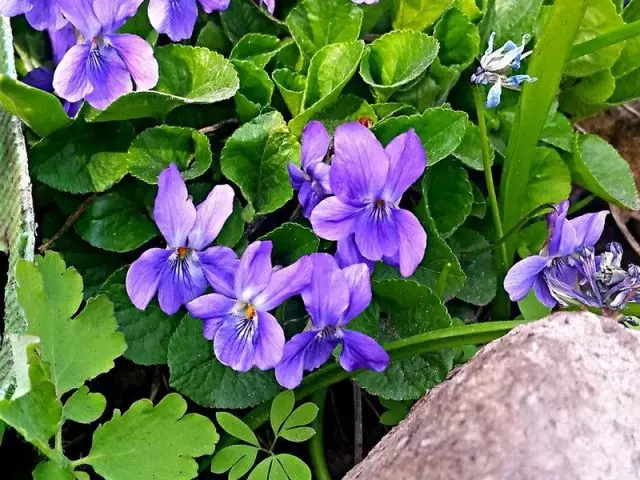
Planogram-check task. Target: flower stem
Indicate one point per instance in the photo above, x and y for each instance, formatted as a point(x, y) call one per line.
point(442, 280)
point(576, 207)
point(626, 32)
point(316, 444)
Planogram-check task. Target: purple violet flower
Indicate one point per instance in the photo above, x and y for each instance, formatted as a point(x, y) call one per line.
point(179, 273)
point(177, 18)
point(333, 299)
point(105, 65)
point(312, 180)
point(565, 238)
point(237, 318)
point(270, 5)
point(41, 14)
point(368, 182)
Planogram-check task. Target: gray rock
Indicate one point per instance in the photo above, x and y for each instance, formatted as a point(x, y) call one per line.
point(554, 399)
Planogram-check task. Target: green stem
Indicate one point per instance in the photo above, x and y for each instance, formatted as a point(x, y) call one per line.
point(626, 32)
point(576, 207)
point(441, 287)
point(58, 440)
point(488, 176)
point(316, 444)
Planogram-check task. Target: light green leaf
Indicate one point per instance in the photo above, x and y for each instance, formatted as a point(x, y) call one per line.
point(330, 70)
point(237, 459)
point(298, 434)
point(317, 23)
point(598, 167)
point(39, 110)
point(256, 89)
point(627, 88)
point(293, 427)
point(196, 373)
point(510, 19)
point(549, 179)
point(589, 95)
point(154, 149)
point(291, 241)
point(115, 223)
point(348, 108)
point(458, 38)
point(291, 86)
point(601, 17)
point(76, 349)
point(152, 443)
point(630, 57)
point(36, 415)
point(281, 407)
point(147, 331)
point(411, 308)
point(233, 228)
point(532, 309)
point(441, 131)
point(255, 159)
point(257, 48)
point(481, 285)
point(281, 467)
point(558, 132)
point(393, 109)
point(83, 158)
point(84, 406)
point(212, 36)
point(243, 17)
point(236, 427)
point(469, 151)
point(449, 196)
point(48, 470)
point(396, 59)
point(188, 75)
point(418, 14)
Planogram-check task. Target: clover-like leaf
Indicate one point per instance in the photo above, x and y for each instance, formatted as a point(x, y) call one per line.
point(83, 158)
point(152, 443)
point(236, 459)
point(154, 149)
point(293, 426)
point(84, 406)
point(255, 159)
point(236, 427)
point(280, 467)
point(76, 349)
point(188, 75)
point(281, 408)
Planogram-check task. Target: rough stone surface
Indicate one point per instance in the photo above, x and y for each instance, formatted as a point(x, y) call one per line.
point(554, 399)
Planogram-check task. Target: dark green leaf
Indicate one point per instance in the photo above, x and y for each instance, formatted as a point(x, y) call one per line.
point(479, 207)
point(147, 331)
point(558, 132)
point(469, 151)
point(549, 179)
point(154, 149)
point(233, 228)
point(196, 373)
point(212, 36)
point(291, 241)
point(349, 108)
point(256, 89)
point(481, 285)
point(83, 158)
point(510, 19)
point(243, 17)
point(458, 38)
point(532, 309)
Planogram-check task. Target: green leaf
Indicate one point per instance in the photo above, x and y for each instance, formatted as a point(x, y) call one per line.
point(152, 443)
point(212, 36)
point(282, 466)
point(291, 86)
point(317, 23)
point(449, 196)
point(441, 131)
point(140, 25)
point(481, 285)
point(601, 17)
point(469, 151)
point(255, 159)
point(298, 434)
point(196, 373)
point(598, 167)
point(630, 57)
point(349, 108)
point(48, 470)
point(558, 132)
point(257, 48)
point(76, 349)
point(418, 14)
point(411, 308)
point(243, 17)
point(233, 228)
point(549, 180)
point(147, 332)
point(281, 407)
point(291, 241)
point(396, 59)
point(236, 427)
point(627, 88)
point(83, 158)
point(532, 309)
point(589, 95)
point(188, 75)
point(154, 149)
point(115, 223)
point(393, 109)
point(256, 89)
point(293, 428)
point(237, 459)
point(29, 104)
point(479, 207)
point(391, 418)
point(84, 406)
point(510, 19)
point(37, 414)
point(330, 70)
point(458, 38)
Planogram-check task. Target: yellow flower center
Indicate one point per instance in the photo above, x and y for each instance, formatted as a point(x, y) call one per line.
point(182, 252)
point(249, 312)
